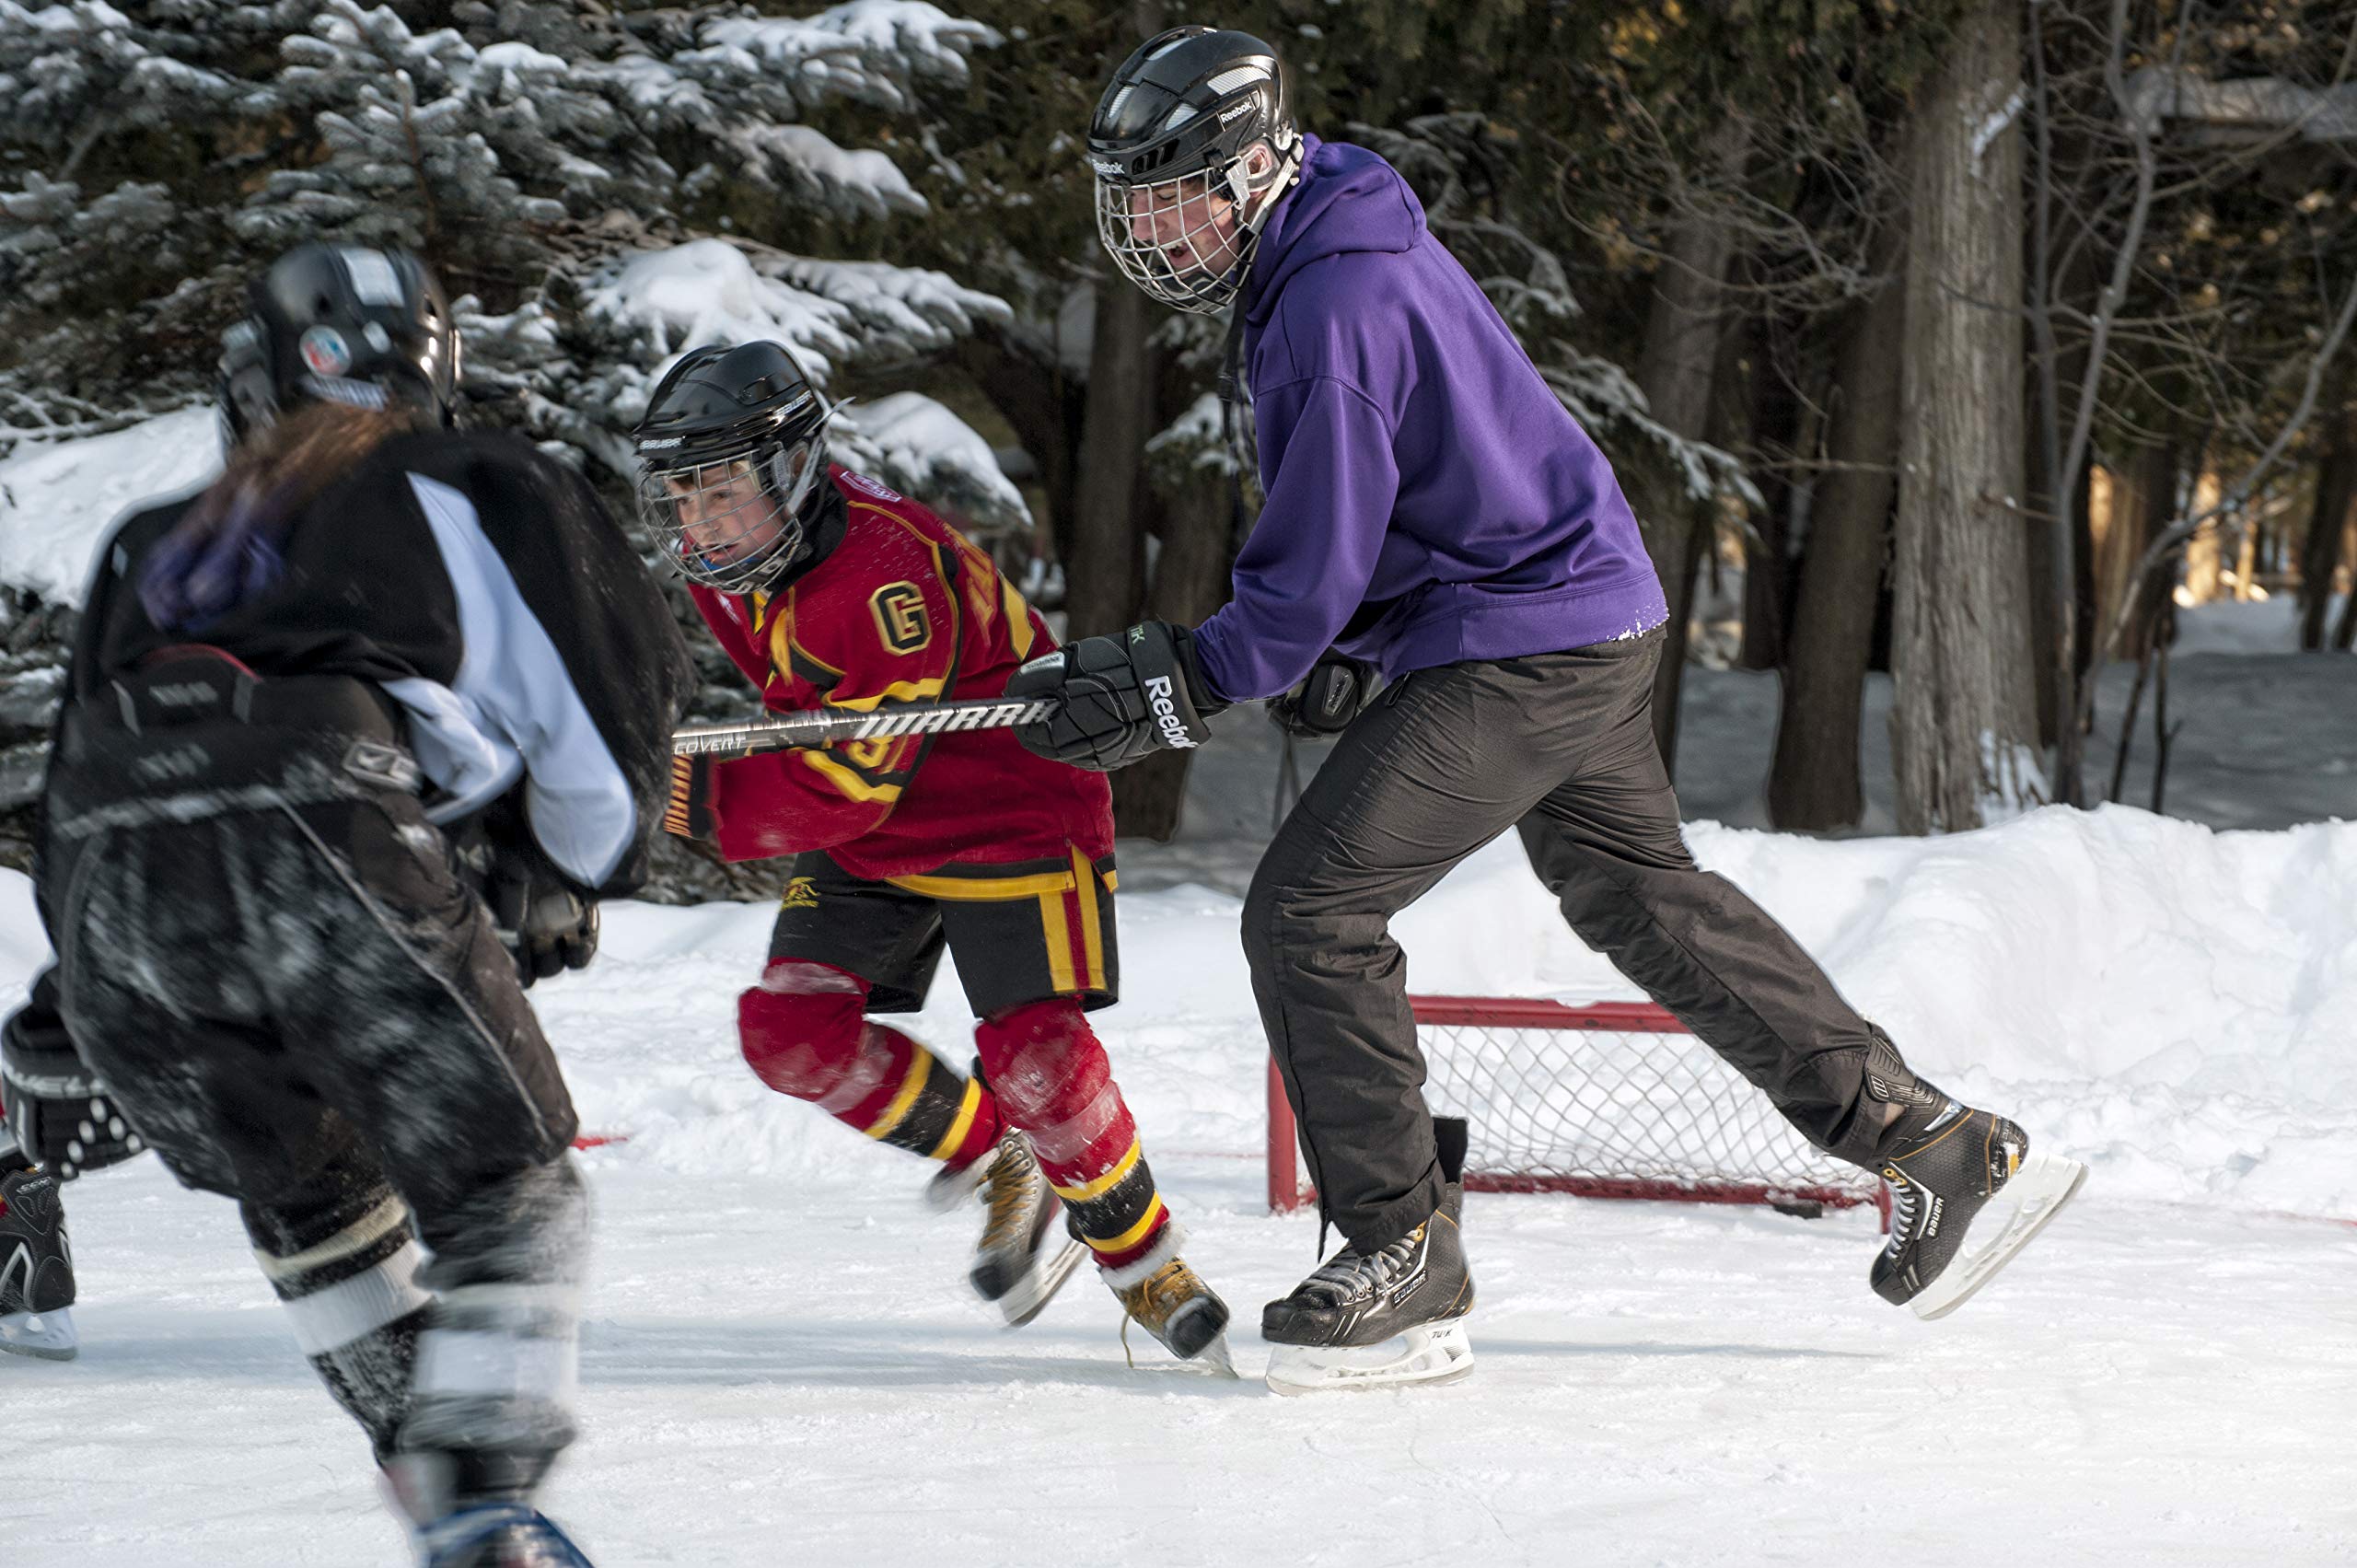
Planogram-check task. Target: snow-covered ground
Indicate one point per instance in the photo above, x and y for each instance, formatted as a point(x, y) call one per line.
point(780, 1365)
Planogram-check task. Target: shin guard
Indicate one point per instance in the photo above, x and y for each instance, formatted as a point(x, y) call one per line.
point(1053, 1080)
point(803, 1033)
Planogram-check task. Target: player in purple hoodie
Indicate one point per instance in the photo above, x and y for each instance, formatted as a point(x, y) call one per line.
point(1434, 514)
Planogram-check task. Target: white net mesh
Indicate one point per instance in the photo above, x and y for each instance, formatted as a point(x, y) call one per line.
point(1607, 1109)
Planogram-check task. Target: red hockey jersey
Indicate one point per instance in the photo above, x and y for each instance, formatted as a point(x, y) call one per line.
point(904, 609)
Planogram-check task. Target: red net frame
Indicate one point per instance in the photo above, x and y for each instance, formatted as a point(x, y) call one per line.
point(1606, 1100)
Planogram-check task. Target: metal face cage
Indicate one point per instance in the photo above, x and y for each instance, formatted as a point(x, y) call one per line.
point(732, 522)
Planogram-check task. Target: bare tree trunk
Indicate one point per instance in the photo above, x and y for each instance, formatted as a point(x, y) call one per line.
point(1044, 409)
point(2320, 545)
point(2204, 552)
point(2140, 498)
point(1676, 372)
point(1815, 782)
point(1776, 420)
point(1104, 572)
point(1964, 728)
point(1189, 583)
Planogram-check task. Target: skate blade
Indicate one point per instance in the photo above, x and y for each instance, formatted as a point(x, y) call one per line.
point(2038, 1190)
point(1213, 1361)
point(1036, 1289)
point(1432, 1352)
point(49, 1335)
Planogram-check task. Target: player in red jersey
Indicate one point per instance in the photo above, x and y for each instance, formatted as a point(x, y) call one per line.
point(828, 589)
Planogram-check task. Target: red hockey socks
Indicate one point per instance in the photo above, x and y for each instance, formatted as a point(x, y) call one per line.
point(804, 1033)
point(1049, 1071)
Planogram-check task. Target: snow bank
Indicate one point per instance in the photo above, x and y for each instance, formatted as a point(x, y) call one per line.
point(2175, 1005)
point(57, 500)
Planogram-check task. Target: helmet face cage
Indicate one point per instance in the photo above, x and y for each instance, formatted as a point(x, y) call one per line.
point(732, 521)
point(1188, 242)
point(1180, 204)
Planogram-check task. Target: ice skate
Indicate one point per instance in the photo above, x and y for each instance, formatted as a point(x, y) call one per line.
point(497, 1535)
point(35, 1269)
point(1170, 1301)
point(1025, 1255)
point(1947, 1162)
point(1376, 1320)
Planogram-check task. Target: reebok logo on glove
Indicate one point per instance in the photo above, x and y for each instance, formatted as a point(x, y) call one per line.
point(1165, 713)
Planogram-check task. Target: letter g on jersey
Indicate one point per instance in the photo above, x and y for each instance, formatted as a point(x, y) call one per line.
point(900, 619)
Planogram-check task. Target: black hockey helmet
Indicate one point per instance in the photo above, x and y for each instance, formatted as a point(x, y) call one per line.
point(1182, 195)
point(344, 324)
point(731, 455)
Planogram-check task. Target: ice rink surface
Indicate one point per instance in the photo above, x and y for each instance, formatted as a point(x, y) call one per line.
point(781, 1363)
point(775, 1372)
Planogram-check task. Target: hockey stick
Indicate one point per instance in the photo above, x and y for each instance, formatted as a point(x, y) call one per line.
point(825, 727)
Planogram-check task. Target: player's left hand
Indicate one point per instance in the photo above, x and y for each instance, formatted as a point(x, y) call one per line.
point(1123, 698)
point(543, 923)
point(1327, 699)
point(58, 1110)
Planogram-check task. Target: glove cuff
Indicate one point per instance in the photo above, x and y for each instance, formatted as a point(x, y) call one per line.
point(1207, 703)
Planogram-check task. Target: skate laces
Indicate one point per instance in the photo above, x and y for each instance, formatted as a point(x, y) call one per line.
point(1904, 1199)
point(1008, 1192)
point(1155, 1300)
point(1350, 1273)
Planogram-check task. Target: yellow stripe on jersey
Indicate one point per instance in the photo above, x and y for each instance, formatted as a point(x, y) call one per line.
point(1060, 971)
point(1092, 937)
point(898, 691)
point(986, 889)
point(853, 787)
point(1018, 619)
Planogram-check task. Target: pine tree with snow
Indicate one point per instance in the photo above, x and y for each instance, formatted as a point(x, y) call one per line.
point(558, 164)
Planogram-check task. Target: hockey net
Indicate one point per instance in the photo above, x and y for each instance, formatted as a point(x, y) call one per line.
point(1612, 1100)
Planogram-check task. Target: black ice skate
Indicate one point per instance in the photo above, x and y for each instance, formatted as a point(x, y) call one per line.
point(1945, 1162)
point(1170, 1301)
point(35, 1269)
point(1025, 1255)
point(1371, 1319)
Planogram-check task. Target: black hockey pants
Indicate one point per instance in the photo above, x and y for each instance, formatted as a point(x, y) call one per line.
point(270, 955)
point(1563, 746)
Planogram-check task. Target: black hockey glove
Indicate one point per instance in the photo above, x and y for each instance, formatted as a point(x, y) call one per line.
point(1327, 698)
point(1124, 697)
point(59, 1112)
point(543, 923)
point(689, 811)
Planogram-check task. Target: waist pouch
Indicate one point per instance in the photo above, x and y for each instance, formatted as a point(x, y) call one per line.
point(197, 737)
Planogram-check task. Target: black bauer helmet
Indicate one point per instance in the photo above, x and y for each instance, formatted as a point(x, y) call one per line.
point(1181, 191)
point(344, 324)
point(730, 456)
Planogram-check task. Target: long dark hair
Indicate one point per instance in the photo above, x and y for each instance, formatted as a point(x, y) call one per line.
point(230, 544)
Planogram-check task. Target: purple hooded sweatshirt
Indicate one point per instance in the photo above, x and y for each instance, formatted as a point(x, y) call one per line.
point(1429, 500)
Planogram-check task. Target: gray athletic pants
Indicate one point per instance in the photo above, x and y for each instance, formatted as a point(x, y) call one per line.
point(1560, 745)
